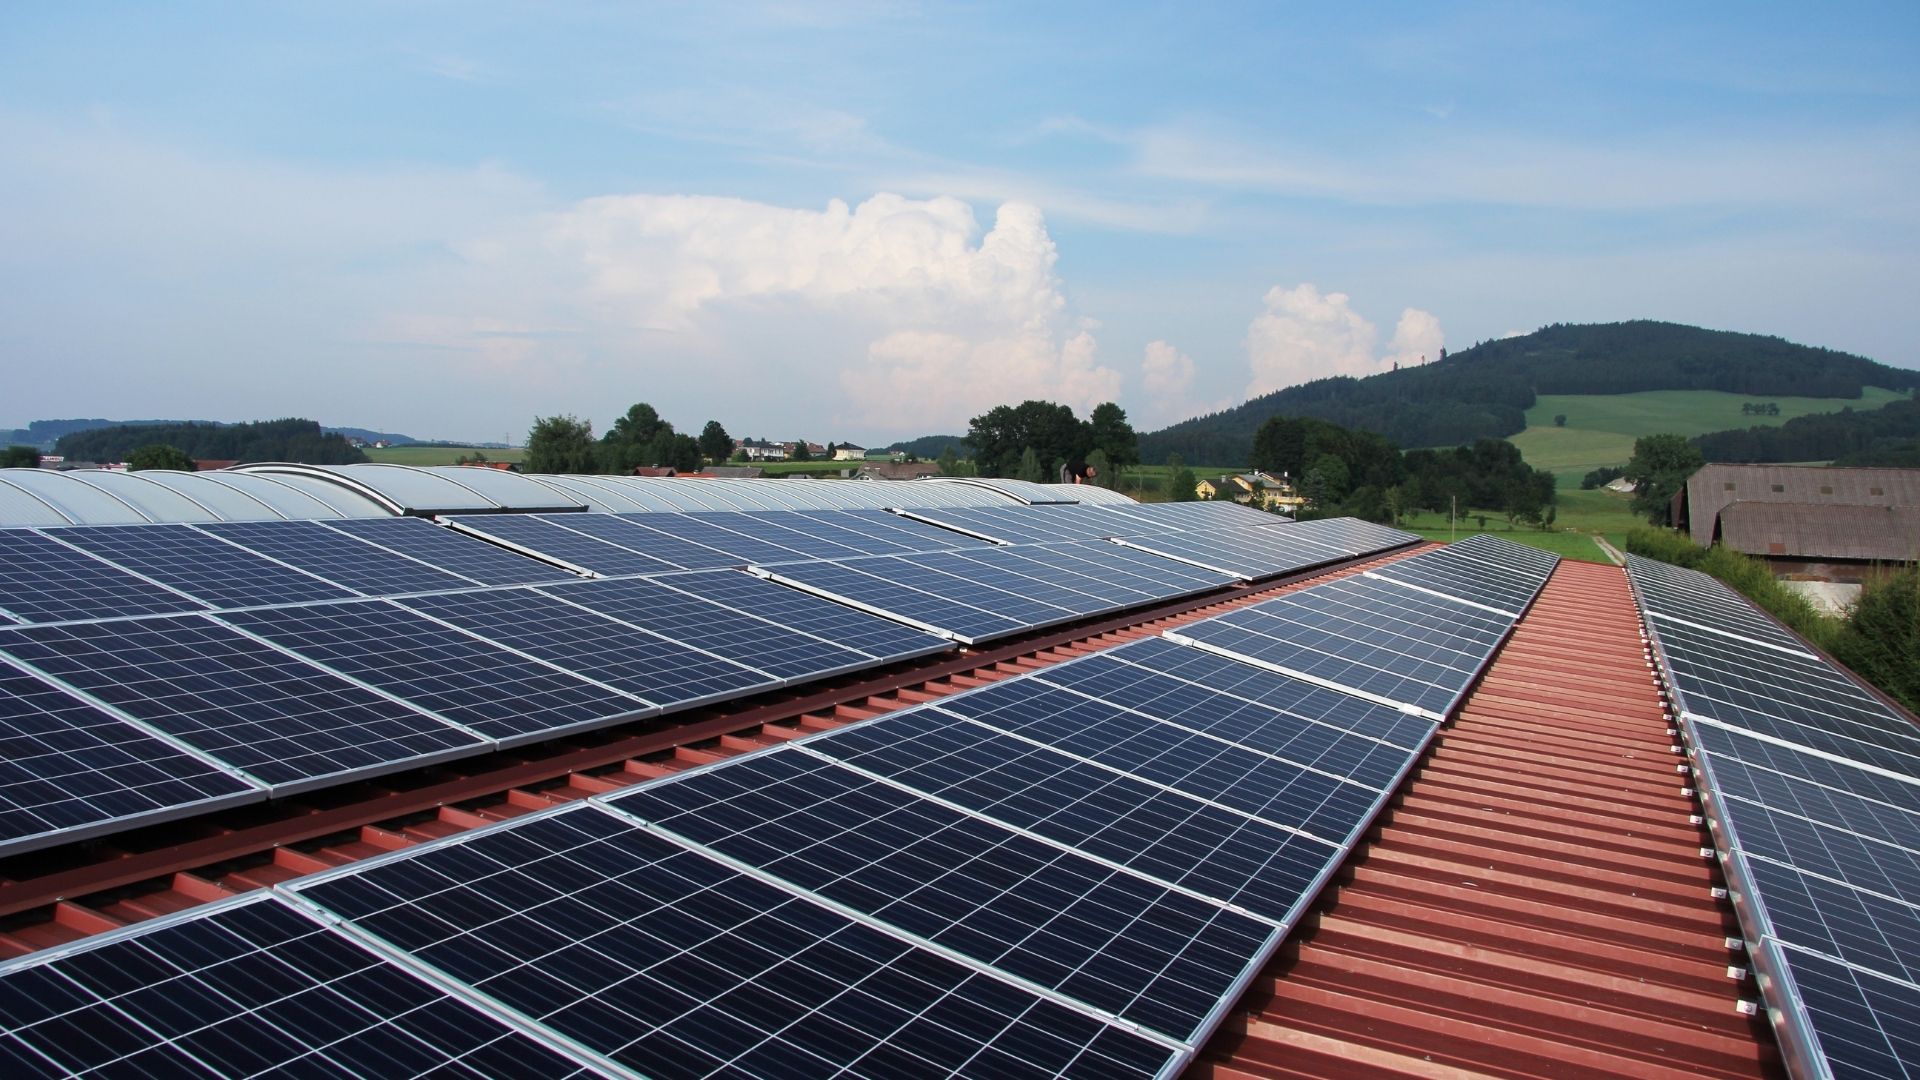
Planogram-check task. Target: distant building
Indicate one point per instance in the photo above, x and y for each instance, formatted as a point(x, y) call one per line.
point(1805, 519)
point(885, 455)
point(850, 452)
point(886, 470)
point(759, 450)
point(1254, 489)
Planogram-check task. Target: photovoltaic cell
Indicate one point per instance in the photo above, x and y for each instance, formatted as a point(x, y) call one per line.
point(907, 534)
point(1887, 811)
point(1246, 553)
point(811, 536)
point(547, 535)
point(1676, 593)
point(1506, 555)
point(336, 557)
point(1866, 1025)
point(740, 549)
point(1462, 580)
point(1227, 676)
point(1173, 837)
point(806, 613)
point(247, 990)
point(629, 532)
point(499, 694)
point(899, 600)
point(44, 581)
point(452, 551)
point(673, 964)
point(722, 631)
point(659, 671)
point(987, 568)
point(1879, 934)
point(199, 565)
point(280, 720)
point(1121, 944)
point(1274, 790)
point(68, 767)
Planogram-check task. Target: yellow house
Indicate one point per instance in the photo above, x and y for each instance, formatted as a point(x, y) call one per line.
point(1211, 489)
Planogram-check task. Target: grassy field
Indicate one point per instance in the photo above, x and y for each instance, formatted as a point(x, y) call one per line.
point(438, 455)
point(1567, 544)
point(1601, 428)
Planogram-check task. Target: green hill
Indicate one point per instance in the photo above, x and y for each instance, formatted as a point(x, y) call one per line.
point(1490, 390)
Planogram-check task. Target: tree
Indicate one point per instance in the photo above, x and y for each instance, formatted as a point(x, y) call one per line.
point(1327, 482)
point(949, 462)
point(800, 451)
point(1659, 467)
point(1180, 481)
point(1102, 466)
point(559, 444)
point(159, 456)
point(1881, 638)
point(19, 457)
point(475, 458)
point(1001, 435)
point(1109, 433)
point(1030, 467)
point(715, 443)
point(1560, 420)
point(633, 439)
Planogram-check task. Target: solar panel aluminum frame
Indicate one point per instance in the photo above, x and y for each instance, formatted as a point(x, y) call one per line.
point(1766, 953)
point(1411, 710)
point(257, 791)
point(293, 892)
point(1335, 554)
point(517, 549)
point(929, 517)
point(934, 645)
point(773, 574)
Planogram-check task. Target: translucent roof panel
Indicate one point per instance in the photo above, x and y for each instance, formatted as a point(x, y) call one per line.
point(1089, 493)
point(1019, 490)
point(284, 496)
point(156, 500)
point(614, 494)
point(509, 489)
point(83, 504)
point(19, 507)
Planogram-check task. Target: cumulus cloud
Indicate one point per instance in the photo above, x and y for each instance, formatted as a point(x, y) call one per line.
point(1166, 374)
point(1304, 334)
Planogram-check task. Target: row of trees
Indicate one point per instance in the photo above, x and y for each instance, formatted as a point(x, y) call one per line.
point(268, 440)
point(1821, 437)
point(1032, 440)
point(565, 444)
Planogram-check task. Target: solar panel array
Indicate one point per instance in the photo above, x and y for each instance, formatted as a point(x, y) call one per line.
point(1413, 635)
point(1071, 872)
point(1253, 554)
point(1812, 786)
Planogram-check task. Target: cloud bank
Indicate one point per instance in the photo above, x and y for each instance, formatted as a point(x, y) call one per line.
point(1304, 335)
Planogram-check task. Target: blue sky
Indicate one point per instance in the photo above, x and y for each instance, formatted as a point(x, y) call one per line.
point(865, 221)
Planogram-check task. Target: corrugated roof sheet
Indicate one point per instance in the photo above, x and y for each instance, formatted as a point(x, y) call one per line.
point(1713, 487)
point(1807, 530)
point(1535, 903)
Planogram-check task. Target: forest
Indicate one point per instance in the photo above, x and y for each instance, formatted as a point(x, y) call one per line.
point(1886, 435)
point(267, 440)
point(1484, 391)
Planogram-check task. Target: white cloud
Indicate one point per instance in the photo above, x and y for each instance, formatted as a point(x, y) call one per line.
point(1305, 335)
point(1166, 374)
point(1417, 338)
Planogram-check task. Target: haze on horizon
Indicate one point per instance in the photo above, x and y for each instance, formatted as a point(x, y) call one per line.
point(874, 220)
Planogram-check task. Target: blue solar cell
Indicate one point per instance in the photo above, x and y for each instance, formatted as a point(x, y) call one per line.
point(1168, 577)
point(45, 581)
point(1124, 945)
point(909, 535)
point(186, 559)
point(1464, 580)
point(807, 614)
point(766, 527)
point(1680, 594)
point(628, 531)
point(1816, 789)
point(251, 989)
point(675, 965)
point(836, 540)
point(1879, 934)
point(1878, 868)
point(1866, 1025)
point(899, 600)
point(545, 535)
point(988, 569)
point(1108, 588)
point(339, 558)
point(1505, 555)
point(659, 671)
point(687, 619)
point(69, 769)
point(1248, 553)
point(1330, 707)
point(500, 694)
point(741, 549)
point(452, 551)
point(1173, 837)
point(278, 719)
point(1259, 785)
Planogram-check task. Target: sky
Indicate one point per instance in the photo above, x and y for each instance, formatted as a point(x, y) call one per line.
point(870, 221)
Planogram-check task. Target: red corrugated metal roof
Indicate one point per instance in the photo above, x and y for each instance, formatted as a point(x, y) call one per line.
point(1535, 903)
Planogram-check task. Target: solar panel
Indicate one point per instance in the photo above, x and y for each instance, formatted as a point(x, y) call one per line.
point(452, 551)
point(741, 550)
point(1170, 836)
point(1865, 1025)
point(630, 533)
point(1183, 517)
point(1462, 580)
point(543, 537)
point(1235, 679)
point(659, 671)
point(931, 611)
point(986, 569)
point(669, 963)
point(767, 527)
point(277, 719)
point(689, 620)
point(1506, 555)
point(1082, 576)
point(1252, 782)
point(1173, 578)
point(1356, 536)
point(499, 694)
point(1124, 945)
point(1251, 554)
point(183, 558)
point(805, 613)
point(907, 534)
point(1371, 637)
point(1006, 525)
point(68, 770)
point(1818, 790)
point(341, 559)
point(1688, 596)
point(246, 989)
point(45, 581)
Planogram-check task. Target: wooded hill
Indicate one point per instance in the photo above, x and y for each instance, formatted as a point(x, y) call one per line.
point(1484, 391)
point(268, 440)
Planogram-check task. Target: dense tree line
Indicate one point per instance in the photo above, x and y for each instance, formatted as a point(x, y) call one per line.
point(1032, 440)
point(268, 440)
point(1821, 437)
point(639, 437)
point(1483, 392)
point(929, 447)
